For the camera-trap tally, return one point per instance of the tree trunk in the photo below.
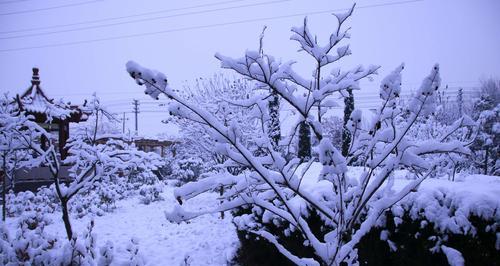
(65, 217)
(4, 198)
(221, 192)
(487, 151)
(4, 189)
(304, 141)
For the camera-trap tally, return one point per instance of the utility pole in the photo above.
(460, 102)
(136, 112)
(123, 123)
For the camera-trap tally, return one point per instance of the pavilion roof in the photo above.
(35, 101)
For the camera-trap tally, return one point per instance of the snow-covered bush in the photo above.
(451, 164)
(106, 254)
(347, 207)
(81, 250)
(438, 217)
(486, 112)
(30, 245)
(151, 193)
(187, 169)
(333, 128)
(43, 201)
(107, 197)
(33, 220)
(135, 258)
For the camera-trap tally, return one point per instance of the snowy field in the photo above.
(207, 240)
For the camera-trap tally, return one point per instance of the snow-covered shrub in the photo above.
(187, 169)
(106, 253)
(81, 250)
(486, 112)
(419, 229)
(107, 197)
(274, 187)
(333, 128)
(33, 220)
(447, 165)
(87, 202)
(151, 193)
(135, 258)
(43, 201)
(186, 261)
(19, 203)
(30, 244)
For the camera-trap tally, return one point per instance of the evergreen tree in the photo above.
(487, 114)
(304, 151)
(274, 129)
(346, 135)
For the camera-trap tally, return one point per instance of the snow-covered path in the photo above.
(207, 240)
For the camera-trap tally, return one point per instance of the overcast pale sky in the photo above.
(81, 46)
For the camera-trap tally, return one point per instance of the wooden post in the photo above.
(63, 138)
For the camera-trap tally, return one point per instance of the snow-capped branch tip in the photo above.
(390, 87)
(155, 81)
(342, 17)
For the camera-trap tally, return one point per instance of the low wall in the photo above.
(33, 178)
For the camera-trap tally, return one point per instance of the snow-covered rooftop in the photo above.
(34, 100)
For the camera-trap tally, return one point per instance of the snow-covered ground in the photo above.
(207, 240)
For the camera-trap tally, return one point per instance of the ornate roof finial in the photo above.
(35, 80)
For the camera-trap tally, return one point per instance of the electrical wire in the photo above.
(121, 37)
(50, 8)
(122, 17)
(12, 2)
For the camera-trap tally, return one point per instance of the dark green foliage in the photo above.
(274, 120)
(413, 243)
(346, 135)
(304, 141)
(257, 251)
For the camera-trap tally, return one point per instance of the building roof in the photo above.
(35, 101)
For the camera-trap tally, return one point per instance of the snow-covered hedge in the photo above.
(97, 199)
(442, 222)
(44, 200)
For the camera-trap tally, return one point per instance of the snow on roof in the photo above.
(34, 100)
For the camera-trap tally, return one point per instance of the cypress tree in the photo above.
(346, 135)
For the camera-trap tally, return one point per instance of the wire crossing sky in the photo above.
(81, 46)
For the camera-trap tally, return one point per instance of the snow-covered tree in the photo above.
(90, 158)
(487, 113)
(16, 130)
(348, 109)
(333, 129)
(348, 207)
(226, 99)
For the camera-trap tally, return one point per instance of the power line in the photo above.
(122, 17)
(50, 8)
(141, 20)
(12, 2)
(201, 27)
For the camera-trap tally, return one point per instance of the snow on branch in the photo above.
(348, 207)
